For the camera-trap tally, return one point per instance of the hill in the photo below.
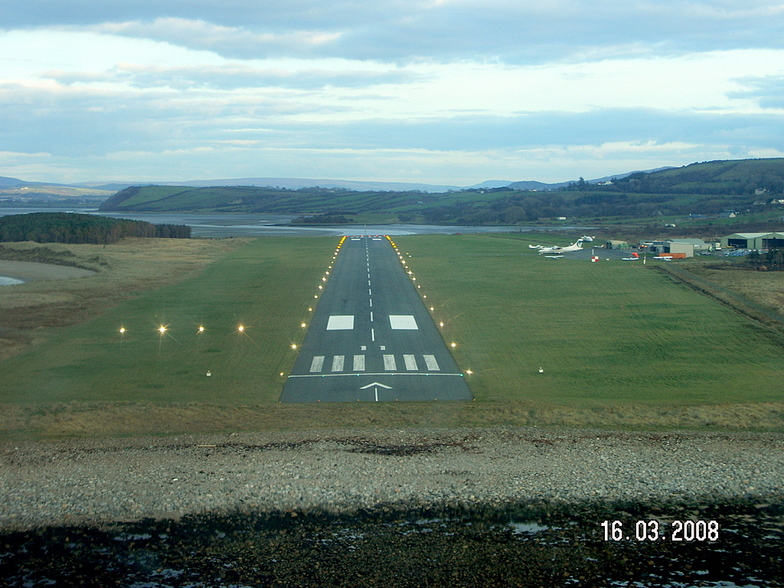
(735, 177)
(60, 227)
(266, 200)
(699, 189)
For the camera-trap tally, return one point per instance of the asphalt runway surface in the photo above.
(371, 337)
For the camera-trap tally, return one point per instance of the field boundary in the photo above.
(737, 302)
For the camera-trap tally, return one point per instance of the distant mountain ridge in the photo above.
(289, 184)
(723, 177)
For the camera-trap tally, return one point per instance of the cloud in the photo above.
(231, 41)
(767, 91)
(231, 76)
(437, 87)
(513, 31)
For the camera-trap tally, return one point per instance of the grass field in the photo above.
(620, 345)
(610, 332)
(265, 287)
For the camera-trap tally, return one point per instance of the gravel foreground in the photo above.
(125, 480)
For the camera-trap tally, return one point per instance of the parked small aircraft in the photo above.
(576, 246)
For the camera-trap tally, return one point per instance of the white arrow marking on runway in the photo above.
(375, 388)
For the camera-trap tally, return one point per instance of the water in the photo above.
(539, 544)
(212, 225)
(6, 281)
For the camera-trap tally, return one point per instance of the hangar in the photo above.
(759, 241)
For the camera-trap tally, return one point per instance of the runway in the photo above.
(371, 337)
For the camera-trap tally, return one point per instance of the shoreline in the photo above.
(95, 482)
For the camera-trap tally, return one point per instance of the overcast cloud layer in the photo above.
(443, 91)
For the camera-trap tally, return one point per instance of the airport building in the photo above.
(685, 247)
(757, 241)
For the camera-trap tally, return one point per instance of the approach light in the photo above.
(303, 325)
(293, 345)
(453, 345)
(441, 324)
(122, 330)
(162, 329)
(241, 329)
(310, 309)
(432, 309)
(469, 372)
(321, 287)
(324, 279)
(201, 329)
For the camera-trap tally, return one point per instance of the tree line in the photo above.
(62, 227)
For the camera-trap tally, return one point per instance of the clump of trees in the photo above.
(61, 227)
(323, 219)
(770, 260)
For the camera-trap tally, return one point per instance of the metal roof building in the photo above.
(772, 240)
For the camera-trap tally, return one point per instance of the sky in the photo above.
(434, 91)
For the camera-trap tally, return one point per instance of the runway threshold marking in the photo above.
(389, 363)
(411, 363)
(317, 363)
(337, 363)
(353, 375)
(431, 364)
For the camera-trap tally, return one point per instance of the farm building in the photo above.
(754, 240)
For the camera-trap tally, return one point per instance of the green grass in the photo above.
(604, 333)
(266, 286)
(621, 345)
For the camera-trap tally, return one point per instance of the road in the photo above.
(371, 337)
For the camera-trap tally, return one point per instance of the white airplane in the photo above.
(576, 246)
